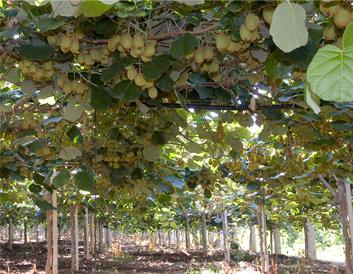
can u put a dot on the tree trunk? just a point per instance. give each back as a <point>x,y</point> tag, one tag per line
<point>52,236</point>
<point>100,236</point>
<point>187,232</point>
<point>93,235</point>
<point>204,232</point>
<point>225,236</point>
<point>277,239</point>
<point>10,235</point>
<point>349,209</point>
<point>169,238</point>
<point>107,236</point>
<point>25,228</point>
<point>74,238</point>
<point>86,234</point>
<point>343,211</point>
<point>261,217</point>
<point>235,233</point>
<point>177,238</point>
<point>252,239</point>
<point>310,247</point>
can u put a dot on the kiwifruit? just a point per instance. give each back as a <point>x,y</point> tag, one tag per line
<point>152,92</point>
<point>199,56</point>
<point>208,53</point>
<point>222,41</point>
<point>342,17</point>
<point>329,33</point>
<point>65,43</point>
<point>267,14</point>
<point>252,22</point>
<point>126,41</point>
<point>245,34</point>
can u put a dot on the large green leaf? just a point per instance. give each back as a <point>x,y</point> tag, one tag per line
<point>126,90</point>
<point>183,45</point>
<point>94,8</point>
<point>348,36</point>
<point>84,179</point>
<point>46,23</point>
<point>288,26</point>
<point>111,72</point>
<point>73,110</point>
<point>43,204</point>
<point>61,178</point>
<point>330,74</point>
<point>100,99</point>
<point>151,153</point>
<point>69,153</point>
<point>37,51</point>
<point>154,69</point>
<point>66,8</point>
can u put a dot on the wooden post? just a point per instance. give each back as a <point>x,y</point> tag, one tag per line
<point>25,228</point>
<point>310,247</point>
<point>107,236</point>
<point>204,232</point>
<point>261,217</point>
<point>74,238</point>
<point>187,232</point>
<point>350,210</point>
<point>177,238</point>
<point>52,236</point>
<point>277,239</point>
<point>92,236</point>
<point>37,233</point>
<point>86,234</point>
<point>100,236</point>
<point>225,236</point>
<point>10,235</point>
<point>252,239</point>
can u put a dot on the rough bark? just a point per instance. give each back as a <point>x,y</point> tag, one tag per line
<point>277,239</point>
<point>25,234</point>
<point>52,236</point>
<point>107,236</point>
<point>263,237</point>
<point>100,237</point>
<point>187,232</point>
<point>235,233</point>
<point>204,232</point>
<point>92,234</point>
<point>10,235</point>
<point>37,233</point>
<point>74,238</point>
<point>177,238</point>
<point>310,247</point>
<point>252,239</point>
<point>225,236</point>
<point>343,211</point>
<point>349,209</point>
<point>86,234</point>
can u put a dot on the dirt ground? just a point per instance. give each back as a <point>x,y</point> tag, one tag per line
<point>30,258</point>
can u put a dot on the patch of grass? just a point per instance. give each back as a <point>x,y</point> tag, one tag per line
<point>208,269</point>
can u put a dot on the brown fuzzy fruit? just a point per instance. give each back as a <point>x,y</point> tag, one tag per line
<point>267,14</point>
<point>65,43</point>
<point>199,56</point>
<point>126,41</point>
<point>208,53</point>
<point>329,33</point>
<point>222,41</point>
<point>245,34</point>
<point>252,22</point>
<point>152,92</point>
<point>342,17</point>
<point>329,9</point>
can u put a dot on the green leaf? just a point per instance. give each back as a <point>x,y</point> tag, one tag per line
<point>165,83</point>
<point>274,68</point>
<point>66,8</point>
<point>61,179</point>
<point>126,90</point>
<point>151,153</point>
<point>348,36</point>
<point>13,75</point>
<point>43,204</point>
<point>111,72</point>
<point>288,26</point>
<point>183,45</point>
<point>100,99</point>
<point>154,69</point>
<point>36,51</point>
<point>34,188</point>
<point>330,74</point>
<point>312,100</point>
<point>84,179</point>
<point>73,110</point>
<point>94,8</point>
<point>69,153</point>
<point>75,135</point>
<point>37,3</point>
<point>46,23</point>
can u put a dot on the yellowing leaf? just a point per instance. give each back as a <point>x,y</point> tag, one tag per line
<point>66,8</point>
<point>69,153</point>
<point>288,26</point>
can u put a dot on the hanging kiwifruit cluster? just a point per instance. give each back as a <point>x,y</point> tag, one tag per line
<point>341,13</point>
<point>28,120</point>
<point>67,42</point>
<point>249,31</point>
<point>88,58</point>
<point>134,45</point>
<point>204,60</point>
<point>226,45</point>
<point>75,87</point>
<point>112,159</point>
<point>134,75</point>
<point>37,71</point>
<point>6,58</point>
